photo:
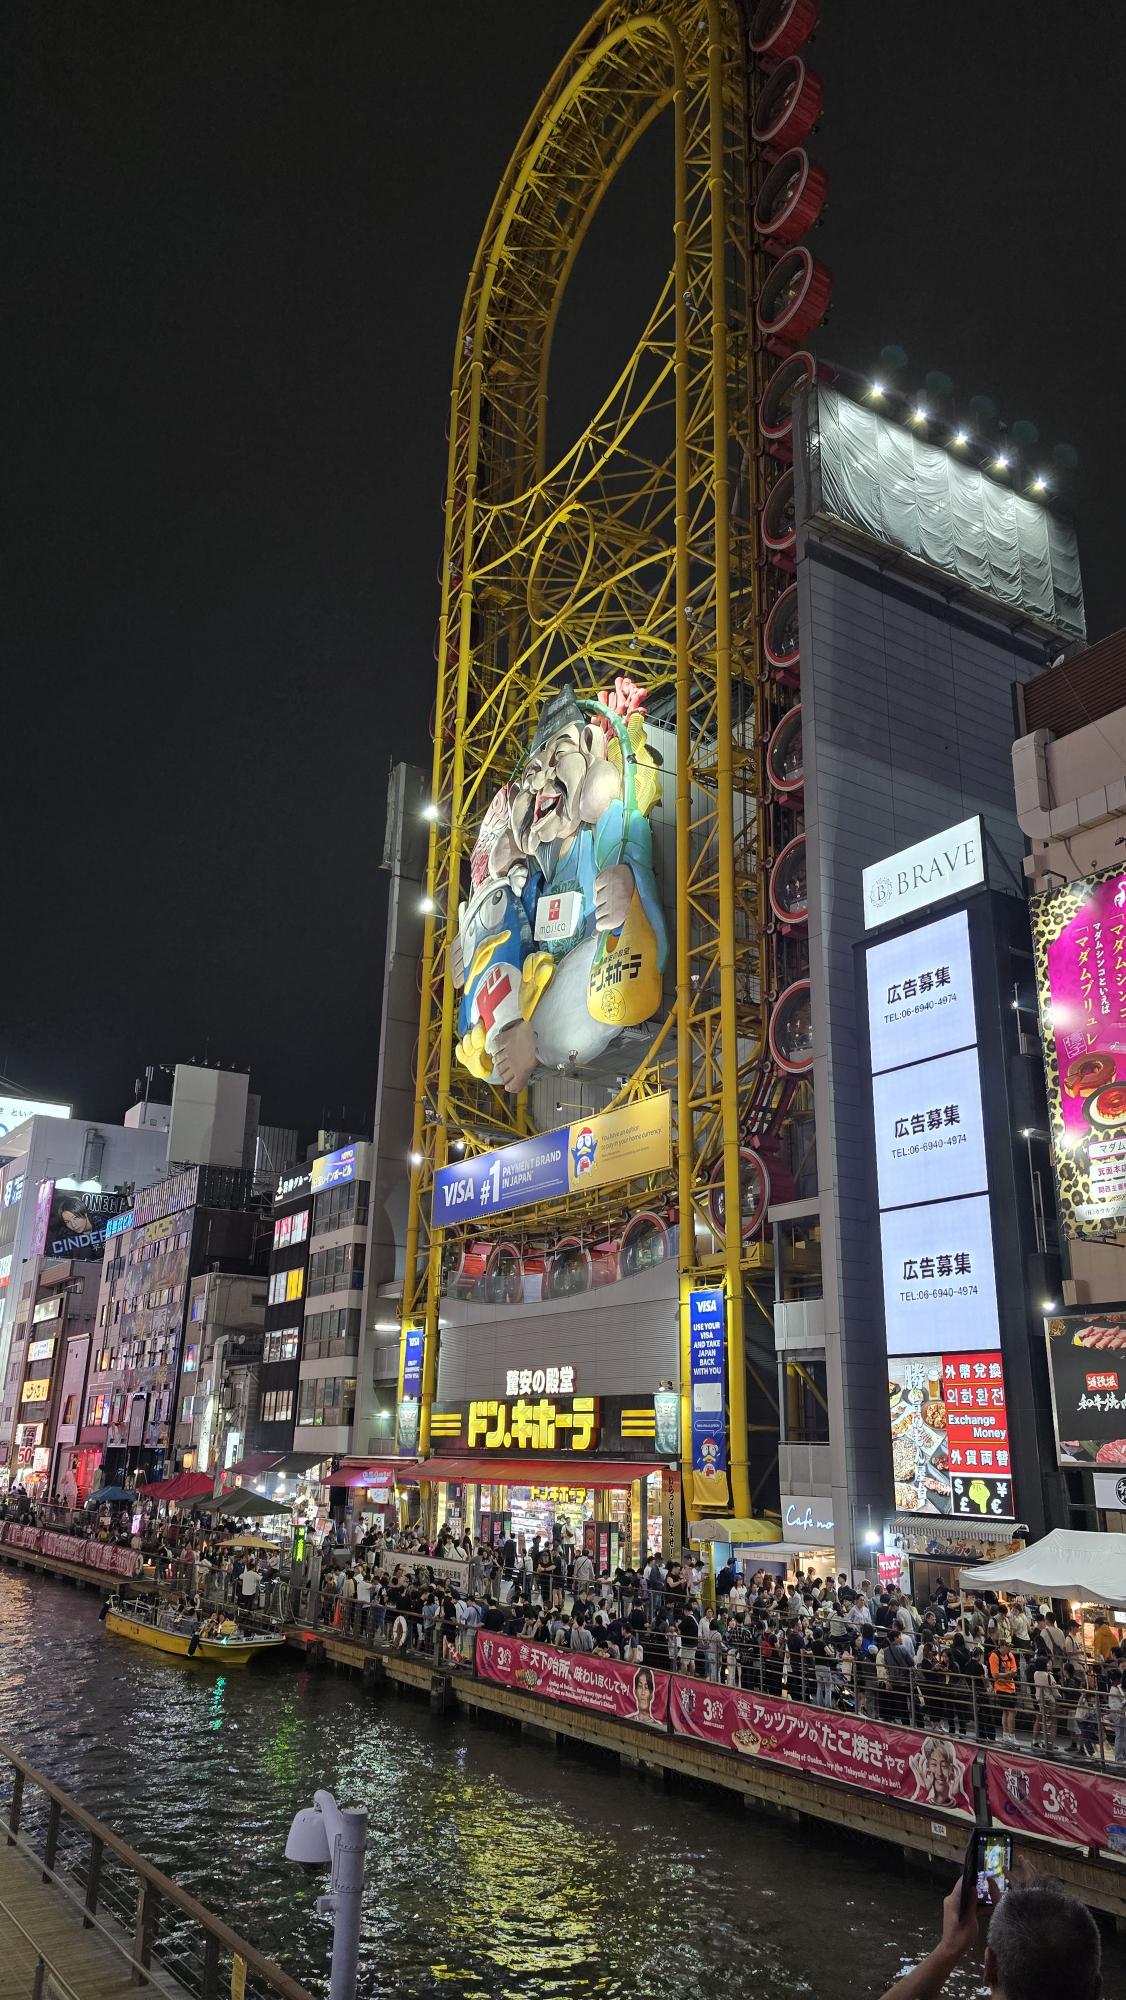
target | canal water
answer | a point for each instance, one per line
(498, 1867)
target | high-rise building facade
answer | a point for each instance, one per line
(1069, 764)
(689, 691)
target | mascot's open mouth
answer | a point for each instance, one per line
(547, 802)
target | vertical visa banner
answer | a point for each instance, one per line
(707, 1327)
(412, 1361)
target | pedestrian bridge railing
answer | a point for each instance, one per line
(155, 1926)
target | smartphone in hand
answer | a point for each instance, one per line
(989, 1859)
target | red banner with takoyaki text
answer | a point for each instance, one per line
(610, 1687)
(935, 1771)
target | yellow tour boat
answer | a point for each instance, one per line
(231, 1648)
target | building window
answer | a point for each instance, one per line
(327, 1399)
(806, 1401)
(338, 1270)
(191, 1360)
(277, 1406)
(287, 1285)
(282, 1345)
(97, 1409)
(70, 1411)
(332, 1335)
(341, 1207)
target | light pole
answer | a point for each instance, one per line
(325, 1836)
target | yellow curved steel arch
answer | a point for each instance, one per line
(664, 572)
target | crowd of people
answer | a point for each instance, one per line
(967, 1665)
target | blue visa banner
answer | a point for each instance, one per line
(707, 1325)
(412, 1361)
(512, 1177)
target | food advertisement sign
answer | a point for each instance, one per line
(896, 1763)
(950, 1436)
(1087, 1366)
(1079, 937)
(630, 1694)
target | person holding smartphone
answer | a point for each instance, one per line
(1040, 1941)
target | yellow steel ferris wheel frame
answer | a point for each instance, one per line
(622, 556)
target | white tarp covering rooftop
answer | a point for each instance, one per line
(1067, 1563)
(888, 481)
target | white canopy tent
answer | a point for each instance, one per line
(1067, 1563)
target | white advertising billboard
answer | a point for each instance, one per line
(920, 994)
(940, 1290)
(13, 1111)
(930, 1141)
(943, 865)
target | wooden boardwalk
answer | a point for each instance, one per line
(36, 1917)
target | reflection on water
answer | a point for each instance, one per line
(497, 1867)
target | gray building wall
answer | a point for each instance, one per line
(406, 841)
(621, 1341)
(907, 714)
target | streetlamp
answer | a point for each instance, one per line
(325, 1836)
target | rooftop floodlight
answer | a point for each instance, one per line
(430, 810)
(427, 906)
(1039, 484)
(959, 438)
(877, 389)
(919, 414)
(1001, 463)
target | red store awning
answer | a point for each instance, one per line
(182, 1486)
(619, 1472)
(367, 1475)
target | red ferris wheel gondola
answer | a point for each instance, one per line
(754, 1193)
(789, 885)
(795, 297)
(785, 763)
(780, 27)
(789, 106)
(778, 525)
(791, 1029)
(792, 197)
(776, 404)
(781, 638)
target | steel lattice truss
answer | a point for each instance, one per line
(634, 553)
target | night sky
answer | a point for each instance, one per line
(235, 239)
